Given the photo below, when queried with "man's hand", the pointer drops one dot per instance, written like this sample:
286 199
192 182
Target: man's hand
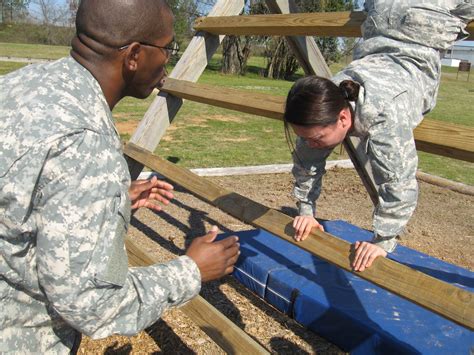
303 226
143 192
214 259
365 254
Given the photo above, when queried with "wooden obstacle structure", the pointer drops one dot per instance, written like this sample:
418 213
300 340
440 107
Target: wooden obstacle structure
431 136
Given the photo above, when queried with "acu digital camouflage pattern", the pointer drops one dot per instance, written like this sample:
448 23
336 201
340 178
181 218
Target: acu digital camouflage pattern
398 67
64 212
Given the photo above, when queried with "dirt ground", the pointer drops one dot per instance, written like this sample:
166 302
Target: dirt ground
442 226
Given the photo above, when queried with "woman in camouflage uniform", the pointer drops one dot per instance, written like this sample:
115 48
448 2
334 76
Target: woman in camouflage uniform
380 97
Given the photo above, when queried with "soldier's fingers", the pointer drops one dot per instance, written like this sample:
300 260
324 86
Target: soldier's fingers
307 230
228 242
371 259
232 260
359 255
366 258
295 221
232 250
159 197
320 227
163 192
299 228
229 270
152 206
163 185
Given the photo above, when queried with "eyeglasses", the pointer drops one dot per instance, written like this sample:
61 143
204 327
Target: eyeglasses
171 49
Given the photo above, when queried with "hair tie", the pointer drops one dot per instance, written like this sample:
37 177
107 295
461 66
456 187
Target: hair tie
344 92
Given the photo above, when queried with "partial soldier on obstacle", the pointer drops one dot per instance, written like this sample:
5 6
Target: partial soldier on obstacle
380 97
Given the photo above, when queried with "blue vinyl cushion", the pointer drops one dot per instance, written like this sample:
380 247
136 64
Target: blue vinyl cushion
352 313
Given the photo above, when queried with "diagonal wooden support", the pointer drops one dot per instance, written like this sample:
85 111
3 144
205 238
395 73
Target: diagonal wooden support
190 66
313 63
440 297
226 334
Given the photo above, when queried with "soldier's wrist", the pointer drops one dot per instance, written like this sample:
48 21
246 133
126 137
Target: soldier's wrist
388 243
306 209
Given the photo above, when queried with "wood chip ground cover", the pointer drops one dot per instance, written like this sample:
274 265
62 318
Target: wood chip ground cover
442 226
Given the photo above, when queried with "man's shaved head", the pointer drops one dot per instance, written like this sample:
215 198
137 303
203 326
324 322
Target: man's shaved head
119 22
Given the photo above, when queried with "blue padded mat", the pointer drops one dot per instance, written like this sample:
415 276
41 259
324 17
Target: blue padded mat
352 313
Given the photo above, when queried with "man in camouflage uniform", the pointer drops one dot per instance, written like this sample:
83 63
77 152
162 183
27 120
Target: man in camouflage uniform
398 68
64 198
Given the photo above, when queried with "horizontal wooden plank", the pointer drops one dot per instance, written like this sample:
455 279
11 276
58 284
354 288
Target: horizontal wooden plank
343 24
440 297
446 139
333 24
220 329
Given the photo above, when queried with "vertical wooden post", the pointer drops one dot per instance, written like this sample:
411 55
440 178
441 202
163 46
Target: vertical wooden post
311 60
191 65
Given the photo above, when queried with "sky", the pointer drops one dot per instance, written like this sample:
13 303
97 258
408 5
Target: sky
34 9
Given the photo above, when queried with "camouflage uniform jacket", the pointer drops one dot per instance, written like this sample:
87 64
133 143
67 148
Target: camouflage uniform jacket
398 68
64 213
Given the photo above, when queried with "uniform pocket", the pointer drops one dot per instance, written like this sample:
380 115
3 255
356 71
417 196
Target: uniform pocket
431 26
115 269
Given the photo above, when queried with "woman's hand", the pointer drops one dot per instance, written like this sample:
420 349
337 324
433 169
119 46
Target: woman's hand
303 226
365 254
143 192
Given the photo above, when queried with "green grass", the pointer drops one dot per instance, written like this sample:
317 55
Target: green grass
207 136
7 67
454 99
35 34
37 51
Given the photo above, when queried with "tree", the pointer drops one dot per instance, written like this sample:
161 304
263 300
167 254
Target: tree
329 46
235 52
54 19
185 12
73 5
10 9
236 49
281 63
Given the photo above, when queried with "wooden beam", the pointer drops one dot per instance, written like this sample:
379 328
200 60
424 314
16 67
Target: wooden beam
220 329
190 66
440 297
334 24
446 139
321 24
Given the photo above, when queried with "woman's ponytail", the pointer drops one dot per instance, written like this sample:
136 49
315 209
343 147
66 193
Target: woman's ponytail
349 89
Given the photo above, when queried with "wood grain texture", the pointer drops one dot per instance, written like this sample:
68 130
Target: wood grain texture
440 297
220 329
446 139
332 24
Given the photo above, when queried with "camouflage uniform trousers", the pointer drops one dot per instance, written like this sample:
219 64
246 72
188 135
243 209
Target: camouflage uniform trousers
398 68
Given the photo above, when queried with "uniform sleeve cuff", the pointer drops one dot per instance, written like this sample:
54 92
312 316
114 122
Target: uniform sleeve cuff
386 243
190 277
306 209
